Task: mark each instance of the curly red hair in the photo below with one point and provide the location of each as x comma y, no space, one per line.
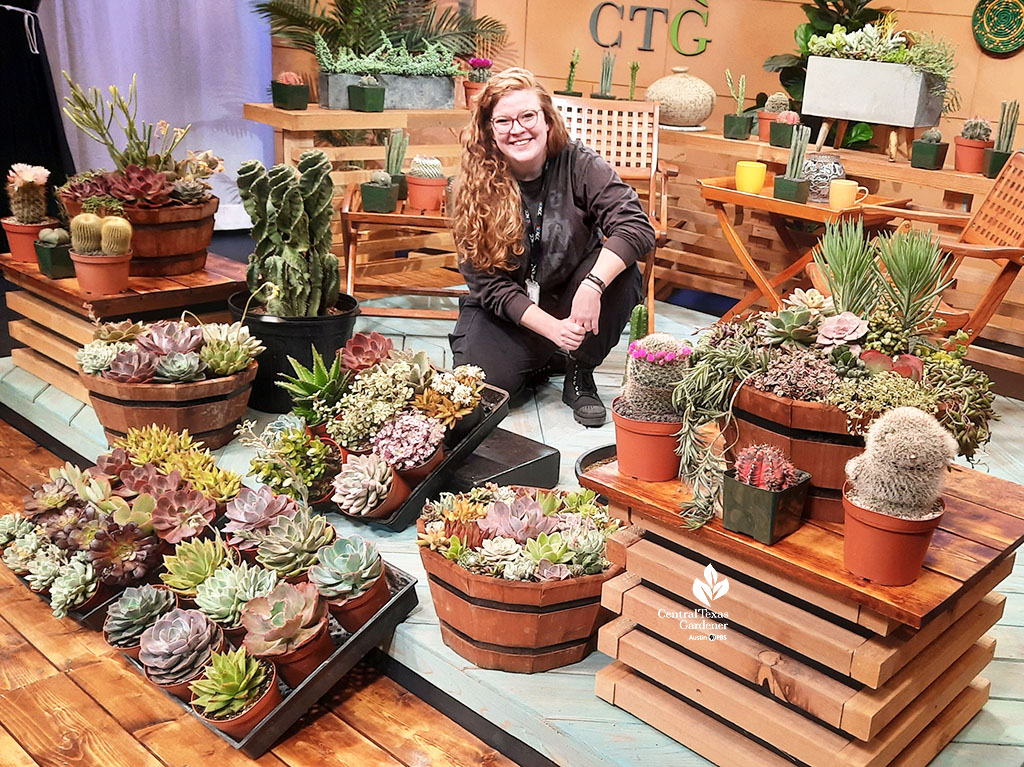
487,220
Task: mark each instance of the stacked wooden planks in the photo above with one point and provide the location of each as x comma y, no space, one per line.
796,661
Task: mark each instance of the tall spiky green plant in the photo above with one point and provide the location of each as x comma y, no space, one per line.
1008,114
847,262
912,280
797,152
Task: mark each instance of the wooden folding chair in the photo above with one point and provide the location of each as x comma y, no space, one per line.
626,135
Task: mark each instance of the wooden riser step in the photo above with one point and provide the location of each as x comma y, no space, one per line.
919,733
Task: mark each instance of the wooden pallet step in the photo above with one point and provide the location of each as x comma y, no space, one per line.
50,316
722,744
49,371
47,343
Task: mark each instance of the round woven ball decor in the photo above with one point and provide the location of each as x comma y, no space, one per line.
999,25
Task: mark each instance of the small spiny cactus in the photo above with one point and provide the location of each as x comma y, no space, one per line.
85,233
380,178
777,102
289,78
788,117
368,81
425,167
766,467
115,236
977,129
655,363
26,191
931,136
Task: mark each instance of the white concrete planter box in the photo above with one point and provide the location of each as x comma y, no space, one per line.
872,92
401,92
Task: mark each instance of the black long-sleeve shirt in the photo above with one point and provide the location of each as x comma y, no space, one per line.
587,206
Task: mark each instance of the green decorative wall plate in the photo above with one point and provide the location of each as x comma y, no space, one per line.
999,25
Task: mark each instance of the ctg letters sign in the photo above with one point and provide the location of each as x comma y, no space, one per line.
649,14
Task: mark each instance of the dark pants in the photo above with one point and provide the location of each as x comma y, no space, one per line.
509,353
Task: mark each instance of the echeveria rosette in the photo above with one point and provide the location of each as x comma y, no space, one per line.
347,568
150,480
49,497
290,545
45,565
96,356
20,551
113,463
192,563
123,554
842,330
13,526
163,338
521,520
136,610
252,512
283,620
182,514
222,595
134,365
75,586
178,646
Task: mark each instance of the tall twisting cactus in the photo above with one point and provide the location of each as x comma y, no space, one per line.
1008,115
766,467
291,226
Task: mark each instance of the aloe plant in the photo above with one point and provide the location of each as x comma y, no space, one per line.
319,384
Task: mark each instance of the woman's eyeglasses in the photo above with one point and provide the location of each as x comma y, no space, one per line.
525,119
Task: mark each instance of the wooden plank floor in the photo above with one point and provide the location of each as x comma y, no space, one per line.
68,699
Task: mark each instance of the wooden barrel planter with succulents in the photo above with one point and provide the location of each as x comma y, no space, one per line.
138,375
512,621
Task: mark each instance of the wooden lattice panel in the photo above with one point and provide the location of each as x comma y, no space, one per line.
626,136
1000,219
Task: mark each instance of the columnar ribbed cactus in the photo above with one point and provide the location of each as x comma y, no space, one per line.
425,167
291,226
396,145
766,467
655,363
901,471
1009,113
115,236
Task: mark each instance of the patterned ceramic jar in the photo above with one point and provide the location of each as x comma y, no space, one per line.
821,169
686,100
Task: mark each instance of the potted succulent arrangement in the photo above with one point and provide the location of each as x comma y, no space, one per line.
289,546
395,146
892,497
292,233
929,151
101,249
176,649
351,576
780,132
135,611
517,548
288,626
411,80
763,495
412,444
316,390
26,193
774,105
236,692
738,125
380,193
426,182
570,79
251,513
367,486
167,201
477,77
367,95
221,596
288,91
971,144
645,418
170,373
604,90
290,460
997,155
793,185
53,252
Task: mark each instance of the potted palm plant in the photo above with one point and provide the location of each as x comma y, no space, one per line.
26,193
738,125
793,185
763,495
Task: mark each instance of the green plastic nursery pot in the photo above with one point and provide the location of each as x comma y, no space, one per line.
54,260
886,550
353,613
928,156
403,185
379,199
366,98
737,126
780,134
289,96
765,515
646,449
794,191
994,162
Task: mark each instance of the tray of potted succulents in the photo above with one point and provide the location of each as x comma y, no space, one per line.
516,574
170,373
400,424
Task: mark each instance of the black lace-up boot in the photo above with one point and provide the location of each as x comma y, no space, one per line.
580,393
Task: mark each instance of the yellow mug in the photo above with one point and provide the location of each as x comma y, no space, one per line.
843,193
750,176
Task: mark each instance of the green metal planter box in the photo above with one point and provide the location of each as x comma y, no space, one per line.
994,162
764,515
289,96
366,98
928,156
737,126
794,191
780,134
55,260
379,199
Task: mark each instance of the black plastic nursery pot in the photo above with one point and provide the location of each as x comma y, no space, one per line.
794,191
55,260
737,126
780,134
994,162
379,199
291,337
928,156
574,94
403,185
764,515
366,98
287,96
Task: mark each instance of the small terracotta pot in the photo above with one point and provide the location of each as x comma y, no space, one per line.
472,92
239,726
399,492
234,636
131,652
969,156
416,474
646,450
886,550
424,193
302,661
102,594
22,237
101,275
354,613
764,124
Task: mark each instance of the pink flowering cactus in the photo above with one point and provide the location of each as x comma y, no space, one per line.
479,69
845,328
660,357
22,173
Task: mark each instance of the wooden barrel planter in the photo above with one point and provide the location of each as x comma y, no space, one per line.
813,434
166,241
209,409
514,625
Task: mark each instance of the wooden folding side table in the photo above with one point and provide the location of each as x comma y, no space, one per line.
720,191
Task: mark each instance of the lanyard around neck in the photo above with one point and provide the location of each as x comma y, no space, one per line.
534,229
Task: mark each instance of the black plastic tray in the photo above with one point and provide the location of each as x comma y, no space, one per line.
351,648
92,619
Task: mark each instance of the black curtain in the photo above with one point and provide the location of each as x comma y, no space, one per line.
31,130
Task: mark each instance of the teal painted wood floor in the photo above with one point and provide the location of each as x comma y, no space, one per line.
557,712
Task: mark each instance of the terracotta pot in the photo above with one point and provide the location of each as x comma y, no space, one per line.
886,550
209,409
425,193
472,92
239,726
353,613
102,594
399,492
970,154
21,238
646,450
234,636
166,241
302,661
764,124
416,474
131,652
102,275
